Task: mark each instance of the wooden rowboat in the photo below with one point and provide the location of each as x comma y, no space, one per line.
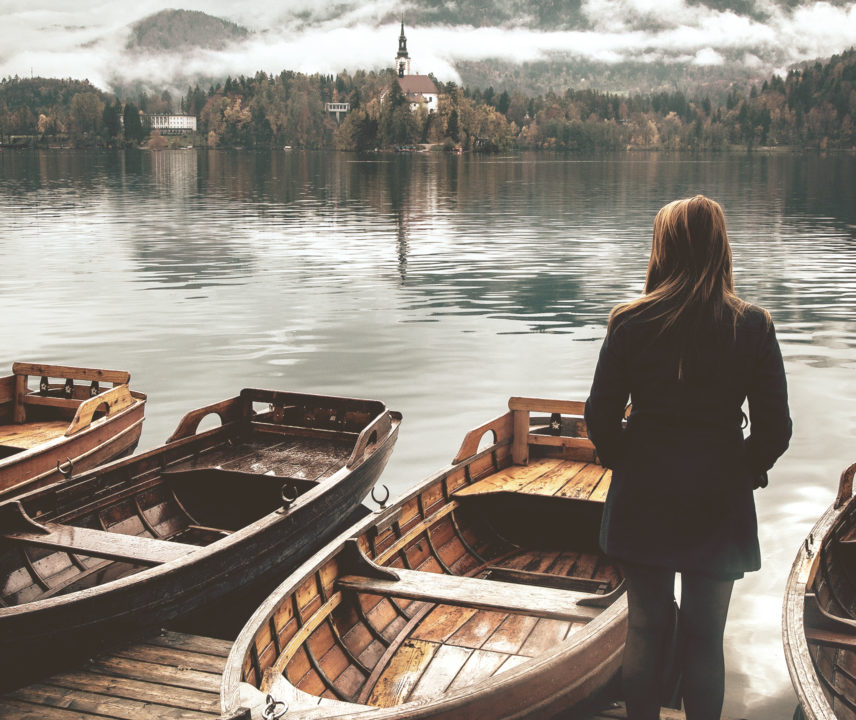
481,593
63,424
131,545
819,613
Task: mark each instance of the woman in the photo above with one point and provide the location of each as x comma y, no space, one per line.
687,354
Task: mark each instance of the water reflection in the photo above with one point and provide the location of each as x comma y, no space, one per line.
441,285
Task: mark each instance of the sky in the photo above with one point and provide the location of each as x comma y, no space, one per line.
86,39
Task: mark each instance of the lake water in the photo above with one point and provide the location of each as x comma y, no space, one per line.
441,285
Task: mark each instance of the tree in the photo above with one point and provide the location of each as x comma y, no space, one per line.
111,120
86,113
133,125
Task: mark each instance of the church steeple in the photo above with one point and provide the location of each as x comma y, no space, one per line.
402,59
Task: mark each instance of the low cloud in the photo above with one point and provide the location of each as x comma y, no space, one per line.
88,39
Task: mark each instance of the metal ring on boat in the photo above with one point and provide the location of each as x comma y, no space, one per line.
382,502
285,493
274,708
67,470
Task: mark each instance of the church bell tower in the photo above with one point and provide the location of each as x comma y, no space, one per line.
402,59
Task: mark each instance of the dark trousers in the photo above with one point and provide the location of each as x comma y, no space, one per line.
703,610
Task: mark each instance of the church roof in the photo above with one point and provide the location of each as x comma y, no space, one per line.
414,84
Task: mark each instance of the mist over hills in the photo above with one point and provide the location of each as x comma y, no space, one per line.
701,47
175,30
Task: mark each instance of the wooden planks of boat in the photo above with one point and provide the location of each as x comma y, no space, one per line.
481,593
135,543
819,612
76,419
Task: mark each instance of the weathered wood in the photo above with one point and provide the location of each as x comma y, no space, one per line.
583,483
103,705
113,400
543,579
227,410
511,479
150,515
193,643
104,544
463,630
11,709
178,675
137,690
501,428
403,672
310,624
444,667
19,414
520,437
117,377
545,405
553,481
415,532
173,657
474,592
30,435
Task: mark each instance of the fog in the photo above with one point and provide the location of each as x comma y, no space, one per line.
88,39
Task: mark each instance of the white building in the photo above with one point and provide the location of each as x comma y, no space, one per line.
168,124
419,90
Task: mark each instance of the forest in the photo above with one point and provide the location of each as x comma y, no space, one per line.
814,106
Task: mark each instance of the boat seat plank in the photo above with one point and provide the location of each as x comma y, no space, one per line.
554,480
101,543
476,592
511,479
546,477
830,637
596,586
29,435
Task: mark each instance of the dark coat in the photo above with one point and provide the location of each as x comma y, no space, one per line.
683,475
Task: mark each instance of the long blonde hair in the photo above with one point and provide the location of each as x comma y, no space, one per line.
689,286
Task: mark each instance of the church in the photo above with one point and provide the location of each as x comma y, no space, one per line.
419,90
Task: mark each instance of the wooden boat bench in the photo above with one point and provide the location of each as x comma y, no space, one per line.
87,541
445,589
546,477
546,460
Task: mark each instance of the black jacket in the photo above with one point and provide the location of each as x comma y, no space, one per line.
683,474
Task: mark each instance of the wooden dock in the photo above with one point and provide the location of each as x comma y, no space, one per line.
170,676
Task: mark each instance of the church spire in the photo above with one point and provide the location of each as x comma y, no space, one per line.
402,59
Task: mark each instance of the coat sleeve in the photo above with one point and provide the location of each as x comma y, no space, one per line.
607,399
771,426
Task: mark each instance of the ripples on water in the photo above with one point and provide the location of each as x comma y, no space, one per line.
441,285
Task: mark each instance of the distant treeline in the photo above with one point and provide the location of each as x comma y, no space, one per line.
814,106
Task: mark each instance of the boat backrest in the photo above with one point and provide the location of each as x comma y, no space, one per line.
66,395
563,433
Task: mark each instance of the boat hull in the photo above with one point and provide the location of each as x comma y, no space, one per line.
818,618
456,602
41,430
40,636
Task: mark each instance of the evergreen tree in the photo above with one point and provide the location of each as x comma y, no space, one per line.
133,125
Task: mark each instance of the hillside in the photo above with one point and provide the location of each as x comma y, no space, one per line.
171,30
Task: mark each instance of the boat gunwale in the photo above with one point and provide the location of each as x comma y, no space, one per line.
801,667
585,639
197,553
